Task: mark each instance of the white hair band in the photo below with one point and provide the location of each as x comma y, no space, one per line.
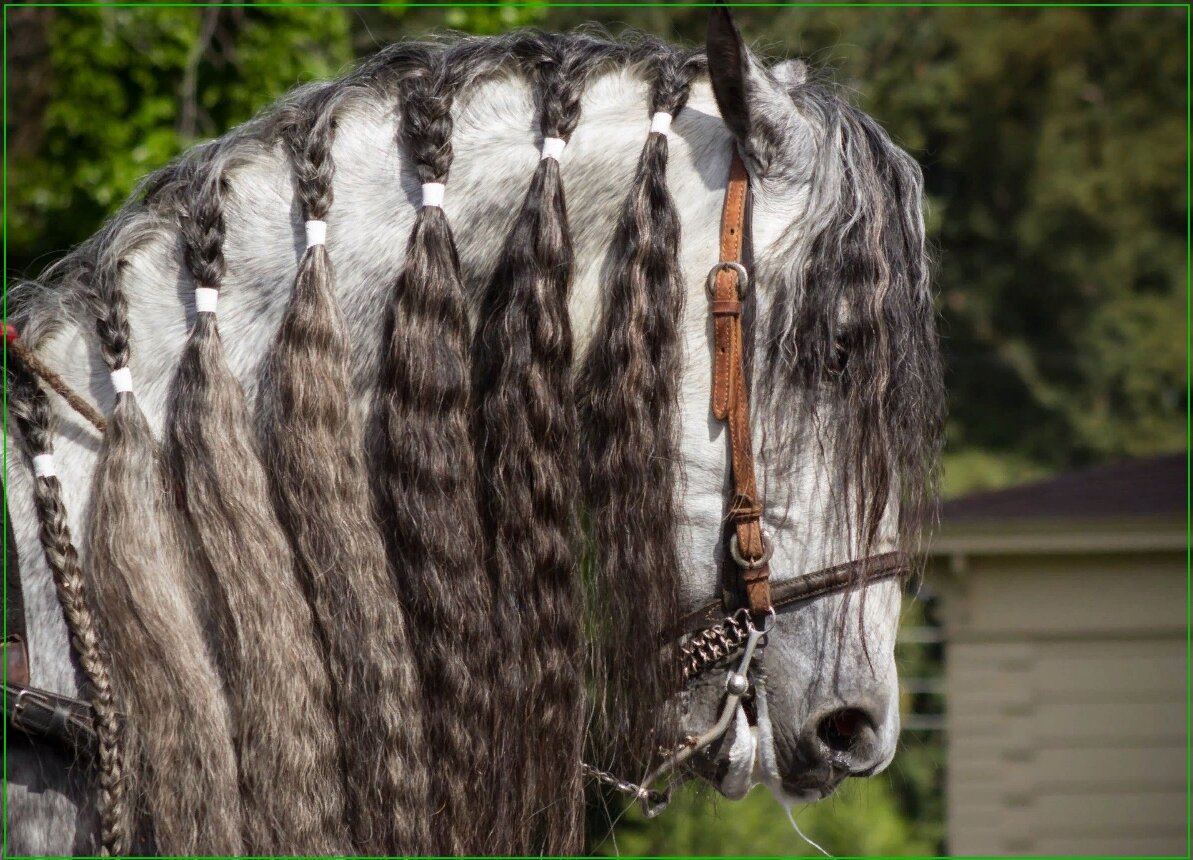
553,147
43,466
205,299
660,123
316,233
433,193
122,380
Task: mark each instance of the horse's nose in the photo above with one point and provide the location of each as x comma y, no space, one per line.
851,740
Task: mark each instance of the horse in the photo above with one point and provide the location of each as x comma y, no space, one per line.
410,516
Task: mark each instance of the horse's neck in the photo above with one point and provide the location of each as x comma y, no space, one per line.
376,193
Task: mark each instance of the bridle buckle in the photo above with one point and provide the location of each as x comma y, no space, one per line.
743,278
768,550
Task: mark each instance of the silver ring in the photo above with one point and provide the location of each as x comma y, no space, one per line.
768,549
743,278
769,624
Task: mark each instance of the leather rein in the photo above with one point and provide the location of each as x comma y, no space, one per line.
709,635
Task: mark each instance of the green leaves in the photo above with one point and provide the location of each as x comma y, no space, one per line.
118,92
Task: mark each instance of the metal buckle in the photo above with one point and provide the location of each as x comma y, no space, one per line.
768,549
743,278
25,696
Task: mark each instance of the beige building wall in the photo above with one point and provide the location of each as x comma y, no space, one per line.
1065,689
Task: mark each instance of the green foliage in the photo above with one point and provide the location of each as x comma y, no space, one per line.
862,818
114,93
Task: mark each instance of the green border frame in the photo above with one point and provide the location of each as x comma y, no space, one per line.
1188,288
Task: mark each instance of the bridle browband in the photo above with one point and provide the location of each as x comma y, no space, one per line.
709,635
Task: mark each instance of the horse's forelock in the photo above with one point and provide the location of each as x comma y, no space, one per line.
849,345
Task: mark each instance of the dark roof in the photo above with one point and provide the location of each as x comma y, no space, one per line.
1146,487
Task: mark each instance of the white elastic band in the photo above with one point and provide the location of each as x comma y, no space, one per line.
122,380
660,123
205,299
553,147
433,193
43,466
316,233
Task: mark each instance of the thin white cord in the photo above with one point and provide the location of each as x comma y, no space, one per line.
791,818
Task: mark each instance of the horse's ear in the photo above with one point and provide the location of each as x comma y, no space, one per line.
752,102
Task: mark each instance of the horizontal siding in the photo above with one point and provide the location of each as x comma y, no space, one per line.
1065,707
1068,770
1017,598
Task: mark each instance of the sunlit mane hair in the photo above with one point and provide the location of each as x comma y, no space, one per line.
391,580
290,762
628,388
321,494
169,687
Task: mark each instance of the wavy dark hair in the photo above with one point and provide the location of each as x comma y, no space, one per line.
628,389
526,443
426,484
321,494
849,343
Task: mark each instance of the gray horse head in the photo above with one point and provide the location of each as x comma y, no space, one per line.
847,387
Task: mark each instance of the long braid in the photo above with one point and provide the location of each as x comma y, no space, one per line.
142,583
628,391
321,493
30,407
525,428
291,772
426,486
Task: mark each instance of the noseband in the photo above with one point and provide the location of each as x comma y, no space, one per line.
709,636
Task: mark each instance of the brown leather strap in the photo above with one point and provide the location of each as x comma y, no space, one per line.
809,586
730,400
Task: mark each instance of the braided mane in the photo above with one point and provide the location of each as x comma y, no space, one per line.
377,628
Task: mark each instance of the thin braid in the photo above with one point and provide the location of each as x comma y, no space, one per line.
321,494
30,407
291,771
144,586
525,429
426,489
628,404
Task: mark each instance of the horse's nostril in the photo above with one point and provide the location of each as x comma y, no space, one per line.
841,730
